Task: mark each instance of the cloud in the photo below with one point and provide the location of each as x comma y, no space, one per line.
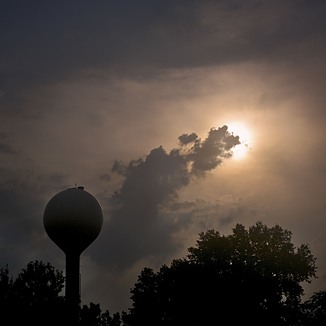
6,148
138,226
56,41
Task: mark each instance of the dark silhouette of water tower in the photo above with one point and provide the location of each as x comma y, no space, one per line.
73,219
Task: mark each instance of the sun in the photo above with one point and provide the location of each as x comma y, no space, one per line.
240,129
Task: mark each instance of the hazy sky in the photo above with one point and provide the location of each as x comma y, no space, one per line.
98,93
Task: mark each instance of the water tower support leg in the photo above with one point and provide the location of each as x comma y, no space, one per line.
73,288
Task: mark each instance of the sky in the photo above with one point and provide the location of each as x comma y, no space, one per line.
141,102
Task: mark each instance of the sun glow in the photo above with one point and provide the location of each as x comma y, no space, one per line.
240,129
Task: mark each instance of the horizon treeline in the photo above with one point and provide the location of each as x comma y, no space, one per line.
252,276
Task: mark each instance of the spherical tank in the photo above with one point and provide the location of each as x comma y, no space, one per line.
73,219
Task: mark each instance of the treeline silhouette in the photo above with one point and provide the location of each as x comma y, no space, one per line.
253,277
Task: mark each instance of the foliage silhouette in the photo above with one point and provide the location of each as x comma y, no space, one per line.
315,310
251,277
93,316
34,297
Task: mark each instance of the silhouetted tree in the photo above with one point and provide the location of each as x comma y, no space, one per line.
314,310
92,316
5,292
34,297
250,277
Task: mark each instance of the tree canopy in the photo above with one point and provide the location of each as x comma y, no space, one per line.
252,276
34,296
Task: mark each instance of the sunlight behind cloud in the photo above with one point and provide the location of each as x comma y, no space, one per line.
240,129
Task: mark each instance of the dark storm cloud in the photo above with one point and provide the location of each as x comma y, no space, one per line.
45,41
6,148
187,138
23,194
19,209
138,226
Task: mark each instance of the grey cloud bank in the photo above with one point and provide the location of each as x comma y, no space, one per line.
137,226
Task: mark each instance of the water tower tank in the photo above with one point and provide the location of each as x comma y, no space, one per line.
73,219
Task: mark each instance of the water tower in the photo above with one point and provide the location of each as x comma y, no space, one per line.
73,219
